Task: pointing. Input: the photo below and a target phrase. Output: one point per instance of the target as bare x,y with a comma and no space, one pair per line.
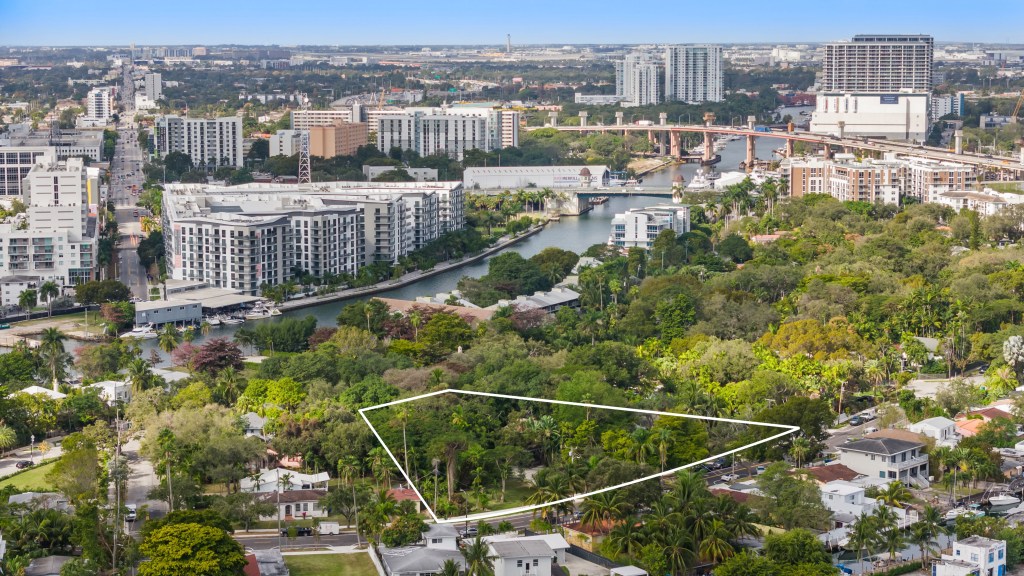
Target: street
125,172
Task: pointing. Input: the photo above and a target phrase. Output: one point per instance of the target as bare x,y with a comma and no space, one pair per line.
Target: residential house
441,536
887,458
968,428
112,391
295,504
47,565
973,556
40,391
39,500
254,424
846,501
426,559
942,430
521,558
830,473
282,480
406,495
555,541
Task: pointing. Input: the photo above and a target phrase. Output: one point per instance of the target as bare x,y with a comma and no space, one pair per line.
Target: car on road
856,421
759,470
870,429
299,531
22,464
135,213
730,477
131,512
470,532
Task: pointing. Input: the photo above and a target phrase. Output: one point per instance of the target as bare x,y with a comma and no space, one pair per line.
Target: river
575,233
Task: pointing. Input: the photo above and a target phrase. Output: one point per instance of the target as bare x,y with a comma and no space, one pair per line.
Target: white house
846,501
943,430
887,458
521,558
40,391
555,541
114,391
442,537
295,504
973,556
254,424
283,480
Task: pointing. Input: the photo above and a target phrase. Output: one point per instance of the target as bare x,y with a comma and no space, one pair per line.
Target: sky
447,22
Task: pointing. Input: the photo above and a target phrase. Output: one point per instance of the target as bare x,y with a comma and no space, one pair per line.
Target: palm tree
863,535
169,338
662,437
48,291
895,494
51,346
450,568
627,538
7,439
799,450
923,538
227,385
27,300
139,376
348,471
479,561
715,546
205,328
599,509
189,334
677,546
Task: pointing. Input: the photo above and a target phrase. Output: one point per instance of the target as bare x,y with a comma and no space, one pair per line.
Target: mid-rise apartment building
637,79
99,104
870,180
208,142
66,143
60,240
694,74
306,119
153,88
241,237
448,130
285,142
879,63
338,139
639,227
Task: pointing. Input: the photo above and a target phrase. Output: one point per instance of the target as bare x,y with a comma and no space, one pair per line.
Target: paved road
8,464
125,172
267,540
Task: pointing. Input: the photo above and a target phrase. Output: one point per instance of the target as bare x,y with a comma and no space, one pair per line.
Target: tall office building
879,63
154,86
17,161
694,73
216,142
636,77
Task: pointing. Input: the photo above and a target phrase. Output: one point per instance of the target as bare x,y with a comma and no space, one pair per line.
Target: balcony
909,463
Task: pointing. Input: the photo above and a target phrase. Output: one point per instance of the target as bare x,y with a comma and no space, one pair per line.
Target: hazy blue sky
52,22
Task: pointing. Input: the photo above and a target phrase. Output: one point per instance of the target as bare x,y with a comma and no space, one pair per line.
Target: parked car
299,531
856,421
730,477
470,532
870,429
759,470
132,512
22,464
4,326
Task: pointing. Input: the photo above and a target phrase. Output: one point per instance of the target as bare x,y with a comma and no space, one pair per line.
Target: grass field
29,479
356,564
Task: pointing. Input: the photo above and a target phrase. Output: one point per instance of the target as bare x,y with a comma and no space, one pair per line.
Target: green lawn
30,479
356,564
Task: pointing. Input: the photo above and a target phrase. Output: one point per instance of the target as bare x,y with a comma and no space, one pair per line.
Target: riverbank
411,277
644,166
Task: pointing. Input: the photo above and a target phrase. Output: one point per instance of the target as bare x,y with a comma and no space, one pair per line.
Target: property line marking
787,429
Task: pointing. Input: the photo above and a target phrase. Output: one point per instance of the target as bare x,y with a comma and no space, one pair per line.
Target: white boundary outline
496,514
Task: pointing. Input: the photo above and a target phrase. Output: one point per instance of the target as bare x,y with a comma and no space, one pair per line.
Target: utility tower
304,178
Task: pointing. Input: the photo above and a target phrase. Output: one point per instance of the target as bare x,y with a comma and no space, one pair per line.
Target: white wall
898,116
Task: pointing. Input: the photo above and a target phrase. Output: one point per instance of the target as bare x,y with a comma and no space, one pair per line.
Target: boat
971,512
702,180
230,320
212,320
258,312
1004,500
145,331
275,312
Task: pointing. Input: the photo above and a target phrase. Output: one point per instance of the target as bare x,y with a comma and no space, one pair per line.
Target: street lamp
31,448
436,462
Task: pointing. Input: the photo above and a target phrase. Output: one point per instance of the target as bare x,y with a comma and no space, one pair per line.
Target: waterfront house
887,459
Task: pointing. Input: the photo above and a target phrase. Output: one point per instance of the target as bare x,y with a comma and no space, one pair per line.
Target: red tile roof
738,497
400,494
831,473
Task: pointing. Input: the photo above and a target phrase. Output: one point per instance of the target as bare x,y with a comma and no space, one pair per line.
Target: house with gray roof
521,557
417,560
887,459
441,536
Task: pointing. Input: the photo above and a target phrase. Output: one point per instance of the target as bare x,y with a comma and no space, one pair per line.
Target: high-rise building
17,161
99,107
154,86
636,79
694,73
448,130
60,240
879,63
208,142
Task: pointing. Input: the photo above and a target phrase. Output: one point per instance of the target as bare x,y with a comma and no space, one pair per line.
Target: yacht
145,331
259,312
1004,499
212,320
702,180
966,512
230,320
275,312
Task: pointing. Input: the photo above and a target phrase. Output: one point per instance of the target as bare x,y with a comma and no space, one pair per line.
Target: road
125,172
8,465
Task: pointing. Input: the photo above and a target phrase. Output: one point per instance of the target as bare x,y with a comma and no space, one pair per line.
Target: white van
329,528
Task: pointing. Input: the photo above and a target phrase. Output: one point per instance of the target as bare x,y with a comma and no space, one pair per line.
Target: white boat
1004,500
702,180
275,312
144,332
967,512
230,320
258,313
212,320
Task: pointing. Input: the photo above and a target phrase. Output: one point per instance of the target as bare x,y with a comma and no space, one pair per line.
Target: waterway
575,233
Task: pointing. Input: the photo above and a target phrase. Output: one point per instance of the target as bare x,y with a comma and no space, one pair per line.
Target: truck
329,528
760,128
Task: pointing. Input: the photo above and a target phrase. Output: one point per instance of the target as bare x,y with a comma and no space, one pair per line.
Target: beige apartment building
339,139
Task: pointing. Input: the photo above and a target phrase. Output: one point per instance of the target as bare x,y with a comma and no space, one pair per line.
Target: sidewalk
327,550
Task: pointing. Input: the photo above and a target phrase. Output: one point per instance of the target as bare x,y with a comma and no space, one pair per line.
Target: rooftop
521,549
981,542
418,559
439,530
886,446
831,472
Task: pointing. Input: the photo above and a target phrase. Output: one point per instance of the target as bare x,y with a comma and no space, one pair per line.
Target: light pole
436,462
31,448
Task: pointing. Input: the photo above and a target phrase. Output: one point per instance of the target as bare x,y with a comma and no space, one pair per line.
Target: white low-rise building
973,556
172,311
986,203
902,115
555,541
521,557
283,480
942,429
112,391
530,177
639,227
847,500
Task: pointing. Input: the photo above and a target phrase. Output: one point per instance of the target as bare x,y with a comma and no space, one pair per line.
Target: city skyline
24,23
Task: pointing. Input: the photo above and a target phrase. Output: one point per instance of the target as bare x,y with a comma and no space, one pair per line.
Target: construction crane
1016,109
380,101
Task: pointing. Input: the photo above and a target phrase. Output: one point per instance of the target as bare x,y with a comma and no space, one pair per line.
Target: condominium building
285,142
338,139
639,227
17,161
879,63
448,130
694,74
306,119
636,79
66,143
241,237
948,104
871,180
208,142
153,86
60,240
99,104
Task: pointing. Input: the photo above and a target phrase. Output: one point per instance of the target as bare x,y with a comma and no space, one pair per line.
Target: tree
479,561
216,355
7,439
77,473
790,502
895,494
1013,354
100,291
27,300
191,549
169,338
735,248
797,546
443,334
799,450
51,345
48,291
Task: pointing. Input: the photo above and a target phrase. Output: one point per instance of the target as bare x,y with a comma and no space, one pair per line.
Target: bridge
1007,168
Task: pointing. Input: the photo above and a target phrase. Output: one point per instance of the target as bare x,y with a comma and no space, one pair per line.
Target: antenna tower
304,178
